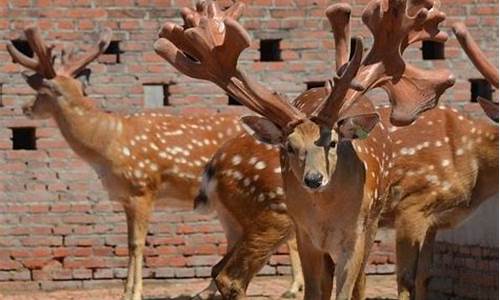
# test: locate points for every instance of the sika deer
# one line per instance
(246, 190)
(460, 172)
(138, 157)
(334, 192)
(245, 187)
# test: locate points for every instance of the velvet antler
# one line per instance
(45, 64)
(339, 16)
(475, 54)
(72, 67)
(208, 47)
(411, 90)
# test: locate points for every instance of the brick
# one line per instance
(203, 272)
(183, 272)
(81, 274)
(203, 260)
(60, 285)
(18, 285)
(10, 264)
(103, 274)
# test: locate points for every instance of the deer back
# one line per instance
(451, 156)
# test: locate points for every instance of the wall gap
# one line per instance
(23, 138)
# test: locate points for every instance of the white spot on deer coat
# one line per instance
(236, 160)
(137, 173)
(260, 165)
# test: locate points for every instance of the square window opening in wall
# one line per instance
(270, 50)
(156, 95)
(112, 53)
(314, 84)
(23, 46)
(432, 50)
(232, 101)
(480, 88)
(23, 138)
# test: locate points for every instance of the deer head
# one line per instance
(210, 42)
(50, 84)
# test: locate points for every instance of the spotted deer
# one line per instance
(246, 191)
(139, 158)
(335, 155)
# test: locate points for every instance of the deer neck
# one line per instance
(87, 130)
(487, 145)
(487, 154)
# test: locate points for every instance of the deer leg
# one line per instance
(210, 291)
(351, 266)
(138, 210)
(410, 234)
(359, 287)
(248, 256)
(233, 233)
(317, 267)
(207, 293)
(297, 277)
(131, 261)
(424, 265)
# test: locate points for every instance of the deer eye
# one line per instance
(333, 144)
(289, 148)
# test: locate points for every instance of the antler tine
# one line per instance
(20, 58)
(475, 54)
(339, 16)
(67, 54)
(216, 42)
(428, 31)
(43, 65)
(192, 17)
(235, 10)
(411, 90)
(327, 113)
(211, 9)
(74, 68)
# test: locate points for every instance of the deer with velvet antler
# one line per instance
(140, 158)
(336, 183)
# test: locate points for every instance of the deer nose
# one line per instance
(313, 180)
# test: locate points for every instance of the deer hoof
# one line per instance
(289, 295)
(203, 296)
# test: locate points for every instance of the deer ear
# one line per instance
(489, 107)
(84, 78)
(35, 81)
(357, 127)
(262, 129)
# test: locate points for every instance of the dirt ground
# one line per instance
(378, 287)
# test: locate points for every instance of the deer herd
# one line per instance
(321, 172)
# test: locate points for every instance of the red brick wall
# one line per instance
(56, 222)
(464, 272)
